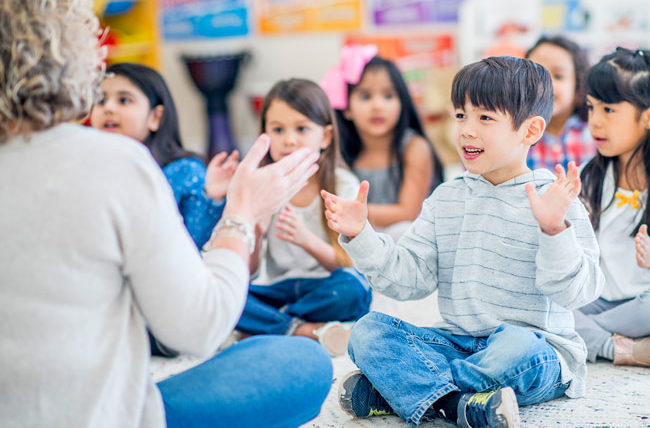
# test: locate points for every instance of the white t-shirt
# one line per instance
(625, 279)
(280, 259)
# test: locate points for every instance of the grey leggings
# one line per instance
(597, 321)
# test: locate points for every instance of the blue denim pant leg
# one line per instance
(408, 365)
(264, 381)
(412, 367)
(515, 357)
(342, 296)
(262, 314)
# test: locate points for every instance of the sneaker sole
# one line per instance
(345, 392)
(507, 412)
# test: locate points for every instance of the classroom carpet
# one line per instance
(616, 396)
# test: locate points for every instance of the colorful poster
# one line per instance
(290, 16)
(564, 15)
(414, 54)
(408, 12)
(190, 19)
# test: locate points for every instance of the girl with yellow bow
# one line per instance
(617, 325)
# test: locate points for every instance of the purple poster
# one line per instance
(406, 12)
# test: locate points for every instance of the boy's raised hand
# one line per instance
(550, 208)
(642, 244)
(347, 217)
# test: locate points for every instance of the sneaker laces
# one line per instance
(477, 409)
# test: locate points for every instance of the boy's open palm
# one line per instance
(550, 208)
(347, 217)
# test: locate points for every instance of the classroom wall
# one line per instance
(273, 58)
(599, 25)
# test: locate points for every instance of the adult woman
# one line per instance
(93, 250)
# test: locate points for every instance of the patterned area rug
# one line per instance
(616, 396)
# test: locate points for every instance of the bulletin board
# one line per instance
(385, 13)
(200, 19)
(290, 16)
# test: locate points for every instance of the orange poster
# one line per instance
(290, 16)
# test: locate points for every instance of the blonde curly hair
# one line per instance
(51, 63)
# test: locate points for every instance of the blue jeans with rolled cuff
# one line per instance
(412, 367)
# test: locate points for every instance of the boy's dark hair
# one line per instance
(580, 67)
(515, 86)
(351, 145)
(621, 76)
(165, 143)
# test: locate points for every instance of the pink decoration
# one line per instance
(353, 60)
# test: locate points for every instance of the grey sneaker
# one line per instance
(494, 409)
(359, 399)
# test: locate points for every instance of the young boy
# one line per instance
(508, 263)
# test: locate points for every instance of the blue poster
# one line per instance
(198, 19)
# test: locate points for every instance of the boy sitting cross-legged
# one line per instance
(511, 252)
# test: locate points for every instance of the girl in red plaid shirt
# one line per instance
(567, 137)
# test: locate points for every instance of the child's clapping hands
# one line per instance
(218, 174)
(642, 244)
(292, 228)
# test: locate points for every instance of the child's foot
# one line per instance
(359, 399)
(497, 408)
(334, 337)
(631, 352)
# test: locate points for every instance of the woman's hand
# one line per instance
(550, 208)
(257, 192)
(219, 173)
(347, 218)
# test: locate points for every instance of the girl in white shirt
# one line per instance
(305, 278)
(617, 325)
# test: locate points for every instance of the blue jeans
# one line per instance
(265, 381)
(343, 296)
(412, 367)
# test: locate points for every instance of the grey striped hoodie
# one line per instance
(481, 247)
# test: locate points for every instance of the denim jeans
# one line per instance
(265, 381)
(343, 296)
(412, 367)
(597, 321)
